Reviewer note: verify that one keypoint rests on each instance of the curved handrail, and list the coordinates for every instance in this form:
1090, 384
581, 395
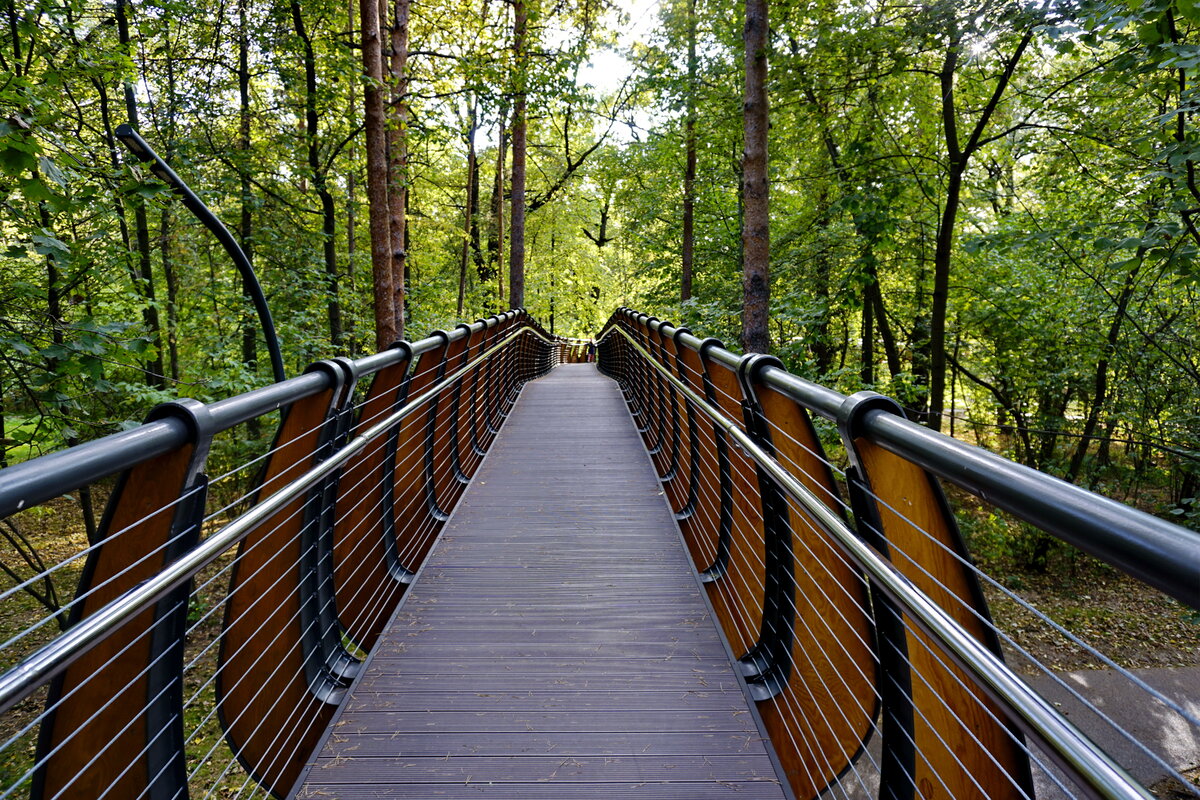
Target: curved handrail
1035, 714
33, 671
1155, 551
32, 482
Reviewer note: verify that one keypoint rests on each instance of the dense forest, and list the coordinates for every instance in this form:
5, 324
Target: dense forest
988, 210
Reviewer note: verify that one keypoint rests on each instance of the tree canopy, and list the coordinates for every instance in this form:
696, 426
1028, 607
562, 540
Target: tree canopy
988, 210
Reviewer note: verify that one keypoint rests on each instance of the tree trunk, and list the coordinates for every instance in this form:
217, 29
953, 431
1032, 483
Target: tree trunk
153, 366
496, 250
866, 368
689, 173
756, 281
319, 178
516, 261
246, 222
957, 156
398, 155
469, 211
377, 178
351, 331
1100, 390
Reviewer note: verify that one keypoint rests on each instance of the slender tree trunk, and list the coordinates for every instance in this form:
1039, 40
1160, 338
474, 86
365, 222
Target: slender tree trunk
497, 251
319, 178
246, 221
516, 261
141, 227
386, 331
168, 264
756, 281
469, 209
958, 156
1100, 383
689, 173
350, 331
398, 157
866, 363
164, 231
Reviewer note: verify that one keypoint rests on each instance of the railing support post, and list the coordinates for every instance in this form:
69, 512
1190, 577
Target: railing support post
772, 654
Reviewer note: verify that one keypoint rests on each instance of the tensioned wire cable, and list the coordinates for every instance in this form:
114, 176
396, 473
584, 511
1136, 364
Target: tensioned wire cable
209, 550
785, 434
1166, 700
802, 618
1095, 766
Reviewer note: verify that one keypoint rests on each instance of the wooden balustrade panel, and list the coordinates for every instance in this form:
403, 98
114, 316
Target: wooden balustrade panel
701, 531
961, 750
488, 377
415, 525
737, 597
464, 440
680, 442
447, 487
98, 740
271, 719
821, 720
660, 405
365, 591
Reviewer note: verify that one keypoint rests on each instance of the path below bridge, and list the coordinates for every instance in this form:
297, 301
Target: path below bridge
557, 642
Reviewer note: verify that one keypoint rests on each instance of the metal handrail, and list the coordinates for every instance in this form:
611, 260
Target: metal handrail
1155, 551
1037, 717
32, 482
21, 680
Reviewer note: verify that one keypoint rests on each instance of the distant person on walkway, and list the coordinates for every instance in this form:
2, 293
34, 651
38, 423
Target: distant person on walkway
591, 352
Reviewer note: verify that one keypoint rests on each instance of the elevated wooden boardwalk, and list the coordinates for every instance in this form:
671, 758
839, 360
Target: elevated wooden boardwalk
557, 643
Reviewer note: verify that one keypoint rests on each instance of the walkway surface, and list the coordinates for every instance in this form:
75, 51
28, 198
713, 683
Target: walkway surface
556, 644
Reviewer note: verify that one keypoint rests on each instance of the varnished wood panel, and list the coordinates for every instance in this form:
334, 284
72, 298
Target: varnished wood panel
823, 717
270, 718
959, 744
365, 591
105, 694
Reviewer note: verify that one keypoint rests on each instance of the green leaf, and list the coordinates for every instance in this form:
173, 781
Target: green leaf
52, 172
47, 245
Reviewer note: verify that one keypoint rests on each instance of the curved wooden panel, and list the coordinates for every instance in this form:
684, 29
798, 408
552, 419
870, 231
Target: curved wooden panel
824, 715
107, 733
701, 530
271, 719
446, 484
365, 575
737, 596
415, 524
959, 745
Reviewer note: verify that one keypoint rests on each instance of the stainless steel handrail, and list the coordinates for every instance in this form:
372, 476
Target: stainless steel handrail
1037, 717
1153, 550
22, 679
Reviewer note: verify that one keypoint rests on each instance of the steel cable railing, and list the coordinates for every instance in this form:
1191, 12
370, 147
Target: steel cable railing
215, 629
861, 620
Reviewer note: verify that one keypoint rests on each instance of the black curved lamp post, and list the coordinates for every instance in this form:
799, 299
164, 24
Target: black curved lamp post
142, 150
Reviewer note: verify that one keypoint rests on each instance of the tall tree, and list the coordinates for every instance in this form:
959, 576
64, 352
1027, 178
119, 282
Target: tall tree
386, 331
398, 160
689, 170
958, 157
756, 249
516, 260
154, 365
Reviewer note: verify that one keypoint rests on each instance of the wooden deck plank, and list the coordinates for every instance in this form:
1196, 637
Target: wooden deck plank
557, 643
